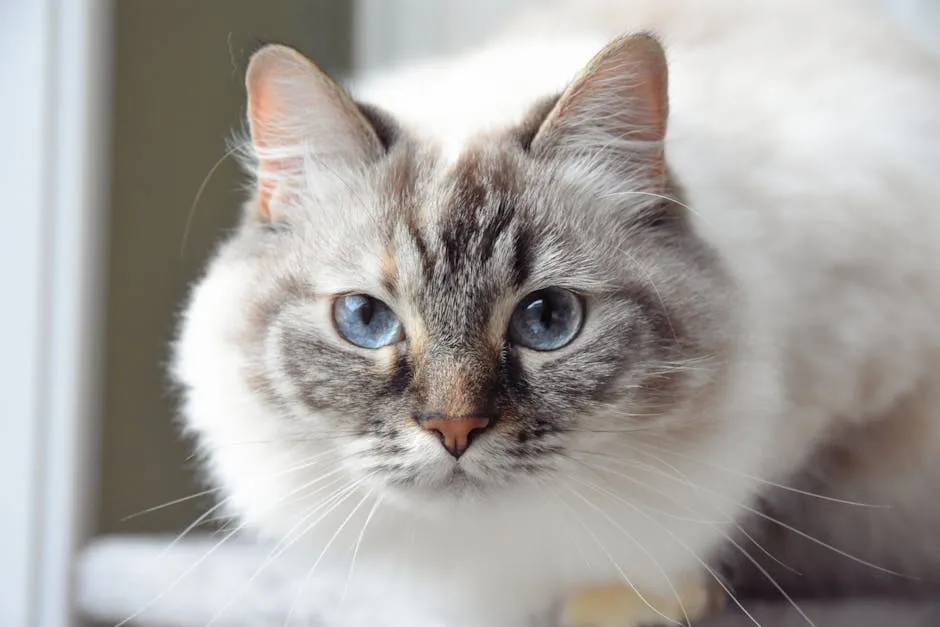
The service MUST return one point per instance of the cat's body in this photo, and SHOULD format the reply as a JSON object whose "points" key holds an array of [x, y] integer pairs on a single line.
{"points": [[782, 329]]}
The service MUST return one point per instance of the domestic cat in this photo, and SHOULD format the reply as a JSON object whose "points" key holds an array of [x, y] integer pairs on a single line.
{"points": [[608, 301]]}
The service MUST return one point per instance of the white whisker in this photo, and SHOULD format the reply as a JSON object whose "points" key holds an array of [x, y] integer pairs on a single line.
{"points": [[633, 463], [181, 576], [610, 557], [649, 279], [326, 548], [649, 488], [286, 542], [675, 201], [688, 549], [305, 464], [223, 502], [817, 541], [786, 526], [202, 187], [170, 504], [355, 554], [763, 550], [770, 579], [728, 538], [640, 546], [761, 480]]}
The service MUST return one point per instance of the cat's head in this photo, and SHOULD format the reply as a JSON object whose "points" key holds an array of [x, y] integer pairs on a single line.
{"points": [[436, 327]]}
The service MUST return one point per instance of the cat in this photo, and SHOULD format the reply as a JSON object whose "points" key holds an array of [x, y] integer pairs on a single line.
{"points": [[583, 315]]}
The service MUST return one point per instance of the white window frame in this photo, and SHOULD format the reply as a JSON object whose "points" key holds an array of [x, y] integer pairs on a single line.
{"points": [[54, 70]]}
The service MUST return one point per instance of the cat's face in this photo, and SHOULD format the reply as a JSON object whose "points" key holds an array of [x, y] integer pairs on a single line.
{"points": [[445, 328]]}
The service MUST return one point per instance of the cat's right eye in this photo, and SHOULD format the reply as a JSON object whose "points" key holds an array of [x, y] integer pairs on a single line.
{"points": [[366, 321]]}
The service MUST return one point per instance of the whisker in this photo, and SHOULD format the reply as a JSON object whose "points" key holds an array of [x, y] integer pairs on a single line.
{"points": [[816, 540], [181, 576], [280, 443], [170, 504], [678, 473], [763, 550], [355, 554], [199, 192], [789, 527], [326, 548], [762, 570], [225, 501], [770, 483], [649, 279], [550, 488], [633, 429], [633, 463], [657, 493], [610, 557], [745, 475], [688, 549], [285, 440], [286, 542], [640, 546], [773, 581], [305, 464], [728, 538], [654, 195]]}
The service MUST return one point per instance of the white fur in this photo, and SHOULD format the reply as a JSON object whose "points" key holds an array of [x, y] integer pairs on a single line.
{"points": [[807, 136]]}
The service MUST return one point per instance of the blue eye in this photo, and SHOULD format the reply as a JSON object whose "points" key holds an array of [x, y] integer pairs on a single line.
{"points": [[546, 320], [366, 321]]}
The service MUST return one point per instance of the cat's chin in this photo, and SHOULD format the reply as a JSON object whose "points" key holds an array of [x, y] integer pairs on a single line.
{"points": [[448, 485]]}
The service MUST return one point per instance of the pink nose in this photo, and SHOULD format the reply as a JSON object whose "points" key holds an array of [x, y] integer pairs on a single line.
{"points": [[455, 433]]}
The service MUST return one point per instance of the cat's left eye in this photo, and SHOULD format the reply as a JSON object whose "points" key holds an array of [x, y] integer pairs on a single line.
{"points": [[547, 320], [366, 321]]}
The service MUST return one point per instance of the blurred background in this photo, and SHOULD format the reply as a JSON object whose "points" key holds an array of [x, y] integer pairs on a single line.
{"points": [[115, 187]]}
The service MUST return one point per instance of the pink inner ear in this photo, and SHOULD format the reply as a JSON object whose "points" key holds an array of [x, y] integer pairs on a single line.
{"points": [[267, 180], [294, 107], [264, 108], [649, 87], [276, 78], [622, 92]]}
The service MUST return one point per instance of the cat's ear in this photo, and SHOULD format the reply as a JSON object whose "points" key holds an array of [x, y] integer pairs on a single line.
{"points": [[300, 118], [615, 111]]}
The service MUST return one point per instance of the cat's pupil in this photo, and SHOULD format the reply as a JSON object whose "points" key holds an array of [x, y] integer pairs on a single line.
{"points": [[542, 311], [364, 308]]}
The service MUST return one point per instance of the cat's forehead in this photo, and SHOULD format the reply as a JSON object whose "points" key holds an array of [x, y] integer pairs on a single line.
{"points": [[460, 228], [488, 224]]}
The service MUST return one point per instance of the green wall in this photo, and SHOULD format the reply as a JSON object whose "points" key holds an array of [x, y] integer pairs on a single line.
{"points": [[178, 94]]}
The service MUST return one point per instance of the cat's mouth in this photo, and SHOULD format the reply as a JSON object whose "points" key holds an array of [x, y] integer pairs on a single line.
{"points": [[456, 480], [459, 479], [446, 480]]}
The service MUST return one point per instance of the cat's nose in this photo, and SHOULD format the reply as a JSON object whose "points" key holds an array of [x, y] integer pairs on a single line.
{"points": [[456, 434]]}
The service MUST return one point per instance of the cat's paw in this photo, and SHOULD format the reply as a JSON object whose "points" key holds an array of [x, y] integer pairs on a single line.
{"points": [[618, 605]]}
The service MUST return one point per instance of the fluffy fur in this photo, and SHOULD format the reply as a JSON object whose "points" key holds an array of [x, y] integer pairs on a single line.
{"points": [[761, 310]]}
